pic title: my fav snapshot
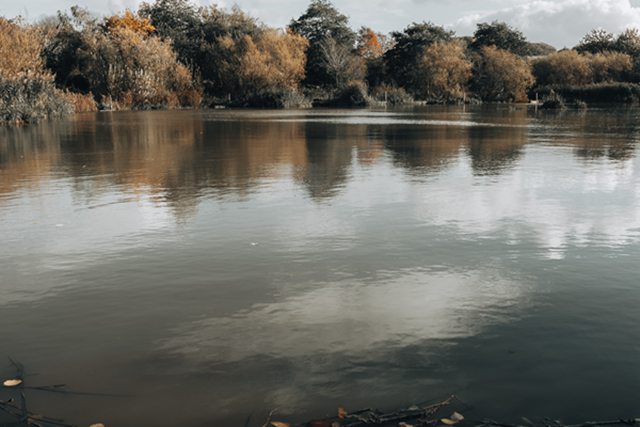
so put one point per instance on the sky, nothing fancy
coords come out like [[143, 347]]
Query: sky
[[561, 23]]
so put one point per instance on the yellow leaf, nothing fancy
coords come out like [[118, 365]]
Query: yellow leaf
[[342, 412], [12, 383], [279, 424], [448, 422]]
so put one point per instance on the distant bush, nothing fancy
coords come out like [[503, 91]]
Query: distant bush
[[611, 67], [278, 98], [29, 99], [82, 103], [539, 49], [596, 93], [574, 68], [565, 67], [354, 94], [553, 101], [392, 95]]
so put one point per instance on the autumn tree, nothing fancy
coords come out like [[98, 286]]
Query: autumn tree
[[500, 35], [443, 73], [119, 61], [27, 90], [20, 50], [272, 61], [370, 45], [500, 75], [408, 49], [127, 69]]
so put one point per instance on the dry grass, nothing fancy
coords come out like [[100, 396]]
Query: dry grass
[[82, 103]]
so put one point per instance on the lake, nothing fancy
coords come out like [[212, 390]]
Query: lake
[[194, 268]]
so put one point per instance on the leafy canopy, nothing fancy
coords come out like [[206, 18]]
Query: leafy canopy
[[500, 35]]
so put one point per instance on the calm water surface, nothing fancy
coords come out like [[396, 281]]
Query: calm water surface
[[205, 266]]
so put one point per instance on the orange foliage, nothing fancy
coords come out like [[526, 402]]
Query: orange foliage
[[502, 76], [369, 45], [130, 21], [272, 60], [564, 67], [82, 103], [574, 68], [20, 50], [443, 72]]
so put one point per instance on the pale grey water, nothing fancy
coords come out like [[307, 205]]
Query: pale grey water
[[212, 265]]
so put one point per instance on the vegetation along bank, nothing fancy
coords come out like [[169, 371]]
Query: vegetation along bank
[[172, 54]]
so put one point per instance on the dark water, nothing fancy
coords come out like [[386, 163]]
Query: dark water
[[206, 266]]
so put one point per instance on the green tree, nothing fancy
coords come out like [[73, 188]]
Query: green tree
[[178, 21], [629, 42], [408, 49], [220, 30], [597, 41], [321, 21], [540, 49], [500, 35]]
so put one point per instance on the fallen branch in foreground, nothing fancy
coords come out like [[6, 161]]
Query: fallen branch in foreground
[[431, 416]]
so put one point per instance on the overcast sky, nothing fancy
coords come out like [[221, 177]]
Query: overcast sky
[[558, 22]]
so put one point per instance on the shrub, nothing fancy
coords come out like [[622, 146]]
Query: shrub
[[569, 67], [82, 103], [501, 76], [31, 98], [392, 95], [353, 95], [27, 90], [553, 101], [278, 98], [565, 67], [611, 67]]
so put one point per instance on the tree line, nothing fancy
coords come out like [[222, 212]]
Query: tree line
[[172, 54]]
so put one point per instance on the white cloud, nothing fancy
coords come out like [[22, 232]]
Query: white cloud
[[561, 23]]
